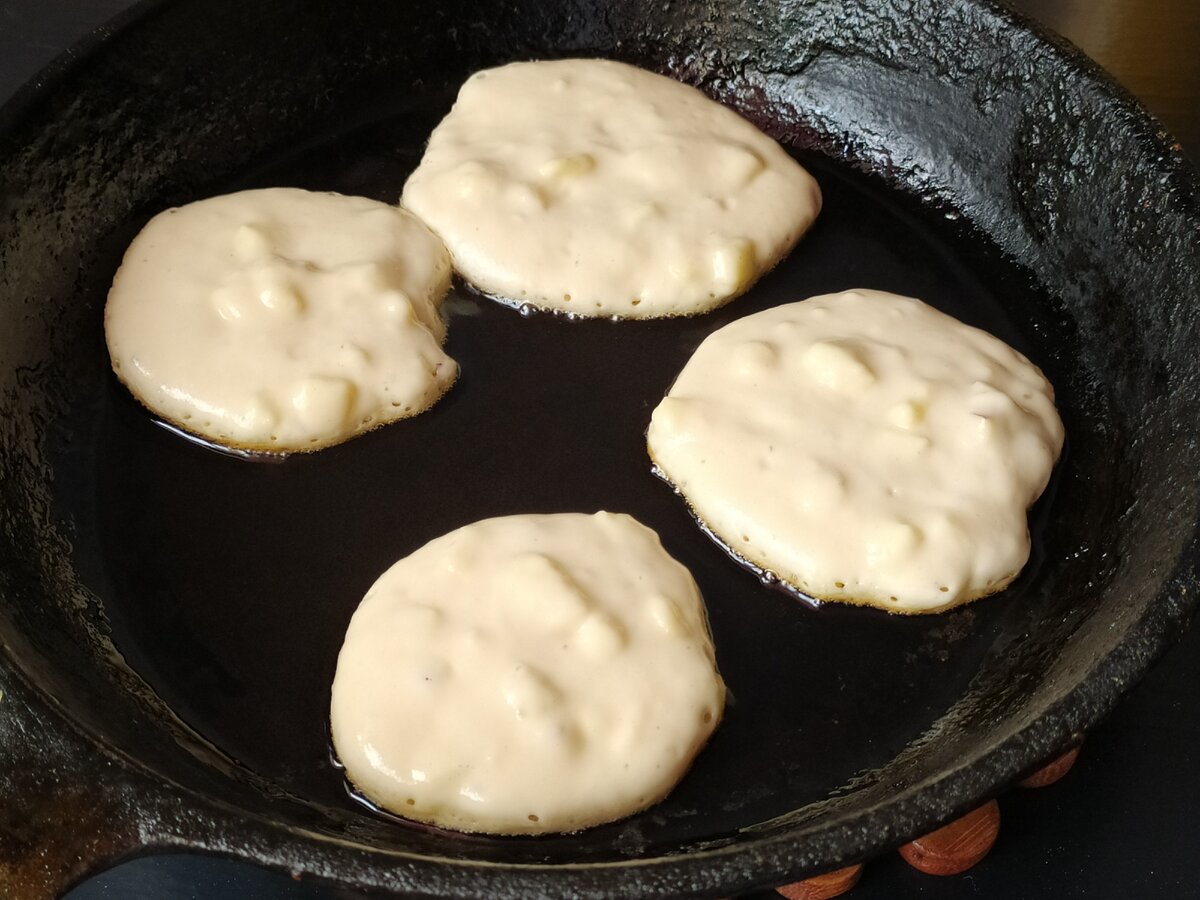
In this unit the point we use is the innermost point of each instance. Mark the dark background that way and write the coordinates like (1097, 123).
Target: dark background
(1122, 823)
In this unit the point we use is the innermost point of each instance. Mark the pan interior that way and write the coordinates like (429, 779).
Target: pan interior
(228, 584)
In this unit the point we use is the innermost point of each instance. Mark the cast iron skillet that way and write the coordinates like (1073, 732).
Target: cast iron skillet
(170, 616)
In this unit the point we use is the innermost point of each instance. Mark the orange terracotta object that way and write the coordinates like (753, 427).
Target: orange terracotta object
(958, 846)
(823, 887)
(1049, 774)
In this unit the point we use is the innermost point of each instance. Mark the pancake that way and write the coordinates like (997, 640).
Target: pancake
(281, 319)
(595, 188)
(527, 674)
(864, 448)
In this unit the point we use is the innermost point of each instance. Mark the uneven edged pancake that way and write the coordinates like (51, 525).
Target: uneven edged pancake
(863, 447)
(596, 188)
(281, 319)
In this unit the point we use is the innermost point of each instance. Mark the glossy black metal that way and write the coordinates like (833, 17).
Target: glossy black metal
(964, 157)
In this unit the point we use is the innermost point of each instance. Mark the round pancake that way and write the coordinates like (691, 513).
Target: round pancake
(527, 674)
(595, 188)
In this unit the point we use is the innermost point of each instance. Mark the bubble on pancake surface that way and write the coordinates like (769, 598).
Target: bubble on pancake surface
(863, 447)
(281, 319)
(594, 188)
(527, 674)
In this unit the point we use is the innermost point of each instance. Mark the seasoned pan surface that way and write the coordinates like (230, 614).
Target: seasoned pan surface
(233, 582)
(185, 607)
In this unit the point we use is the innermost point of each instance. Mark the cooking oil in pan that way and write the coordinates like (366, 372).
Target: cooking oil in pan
(228, 585)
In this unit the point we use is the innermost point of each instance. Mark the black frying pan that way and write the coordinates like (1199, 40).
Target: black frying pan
(170, 616)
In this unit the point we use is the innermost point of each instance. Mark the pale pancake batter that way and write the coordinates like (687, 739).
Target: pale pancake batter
(281, 319)
(527, 674)
(595, 188)
(864, 448)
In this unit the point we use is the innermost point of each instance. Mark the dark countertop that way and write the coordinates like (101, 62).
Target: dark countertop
(1121, 824)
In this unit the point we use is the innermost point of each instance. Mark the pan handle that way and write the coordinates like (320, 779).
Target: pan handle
(66, 805)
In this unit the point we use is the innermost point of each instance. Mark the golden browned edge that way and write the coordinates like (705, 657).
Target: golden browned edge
(714, 303)
(755, 565)
(274, 450)
(653, 801)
